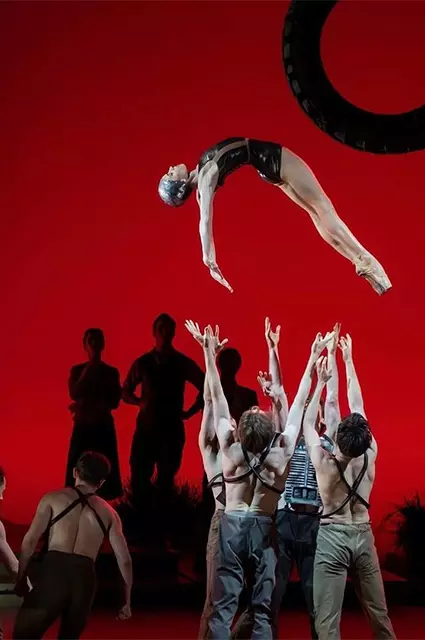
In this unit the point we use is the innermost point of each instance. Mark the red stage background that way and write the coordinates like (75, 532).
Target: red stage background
(97, 100)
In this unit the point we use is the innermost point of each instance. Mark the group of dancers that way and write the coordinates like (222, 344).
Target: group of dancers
(290, 485)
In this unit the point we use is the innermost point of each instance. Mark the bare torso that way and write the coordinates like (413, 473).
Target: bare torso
(78, 531)
(333, 490)
(250, 494)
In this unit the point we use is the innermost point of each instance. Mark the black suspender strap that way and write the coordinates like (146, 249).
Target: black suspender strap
(84, 501)
(255, 468)
(352, 491)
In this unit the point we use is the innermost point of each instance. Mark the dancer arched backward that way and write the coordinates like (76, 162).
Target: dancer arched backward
(279, 166)
(345, 540)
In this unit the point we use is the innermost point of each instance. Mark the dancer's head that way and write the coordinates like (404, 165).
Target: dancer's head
(94, 342)
(164, 330)
(229, 362)
(353, 437)
(92, 468)
(2, 482)
(320, 420)
(255, 430)
(175, 186)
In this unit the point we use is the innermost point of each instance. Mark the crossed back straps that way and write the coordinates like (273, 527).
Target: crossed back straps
(352, 490)
(256, 466)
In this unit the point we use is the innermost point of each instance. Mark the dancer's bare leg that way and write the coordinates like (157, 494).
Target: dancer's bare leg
(302, 187)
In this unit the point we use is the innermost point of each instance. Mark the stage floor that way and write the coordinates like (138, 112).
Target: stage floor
(409, 624)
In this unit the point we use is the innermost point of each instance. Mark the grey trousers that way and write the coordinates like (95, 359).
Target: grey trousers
(340, 548)
(245, 542)
(212, 556)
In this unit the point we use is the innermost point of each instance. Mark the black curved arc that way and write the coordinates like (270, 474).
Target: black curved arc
(363, 130)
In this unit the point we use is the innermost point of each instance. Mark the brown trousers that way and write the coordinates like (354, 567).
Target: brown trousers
(340, 548)
(212, 553)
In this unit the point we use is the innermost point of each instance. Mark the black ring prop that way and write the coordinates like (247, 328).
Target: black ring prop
(335, 116)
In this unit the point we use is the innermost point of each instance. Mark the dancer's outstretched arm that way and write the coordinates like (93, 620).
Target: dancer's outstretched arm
(207, 182)
(296, 412)
(354, 392)
(311, 437)
(272, 339)
(207, 434)
(301, 185)
(332, 411)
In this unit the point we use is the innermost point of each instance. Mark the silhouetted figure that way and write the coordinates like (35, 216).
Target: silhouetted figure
(95, 390)
(160, 435)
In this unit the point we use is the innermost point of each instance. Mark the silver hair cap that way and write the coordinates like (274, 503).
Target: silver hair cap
(173, 192)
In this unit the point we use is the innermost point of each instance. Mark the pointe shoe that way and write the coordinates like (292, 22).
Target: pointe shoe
(375, 275)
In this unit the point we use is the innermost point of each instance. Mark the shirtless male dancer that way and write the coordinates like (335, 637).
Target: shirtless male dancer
(297, 516)
(254, 459)
(75, 522)
(345, 540)
(211, 455)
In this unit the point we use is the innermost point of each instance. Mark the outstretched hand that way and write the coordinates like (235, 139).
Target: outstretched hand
(333, 343)
(268, 388)
(195, 332)
(346, 346)
(320, 343)
(212, 340)
(324, 374)
(215, 273)
(272, 337)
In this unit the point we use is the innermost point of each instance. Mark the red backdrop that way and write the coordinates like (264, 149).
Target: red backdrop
(98, 99)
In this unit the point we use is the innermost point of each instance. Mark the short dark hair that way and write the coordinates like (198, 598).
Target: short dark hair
(2, 476)
(354, 436)
(255, 430)
(166, 318)
(93, 467)
(229, 358)
(95, 332)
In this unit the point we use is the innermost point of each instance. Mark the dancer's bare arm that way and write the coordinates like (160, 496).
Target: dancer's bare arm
(7, 556)
(207, 434)
(29, 543)
(207, 182)
(272, 340)
(311, 437)
(125, 564)
(296, 412)
(332, 410)
(354, 392)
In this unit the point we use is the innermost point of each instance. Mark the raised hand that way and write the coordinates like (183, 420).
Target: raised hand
(324, 374)
(333, 344)
(320, 343)
(346, 346)
(272, 338)
(212, 340)
(268, 388)
(194, 330)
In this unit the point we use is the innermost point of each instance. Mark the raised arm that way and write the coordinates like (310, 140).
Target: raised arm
(355, 398)
(296, 412)
(332, 411)
(311, 436)
(207, 434)
(280, 408)
(207, 183)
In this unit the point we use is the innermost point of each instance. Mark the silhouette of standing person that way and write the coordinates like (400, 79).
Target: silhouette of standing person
(160, 435)
(95, 389)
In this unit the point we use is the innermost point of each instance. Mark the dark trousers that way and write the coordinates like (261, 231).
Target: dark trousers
(245, 544)
(64, 589)
(153, 445)
(297, 534)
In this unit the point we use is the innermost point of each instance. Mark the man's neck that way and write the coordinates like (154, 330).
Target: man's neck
(164, 349)
(84, 487)
(343, 460)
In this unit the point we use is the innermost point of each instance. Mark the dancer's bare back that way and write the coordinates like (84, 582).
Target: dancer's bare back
(79, 531)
